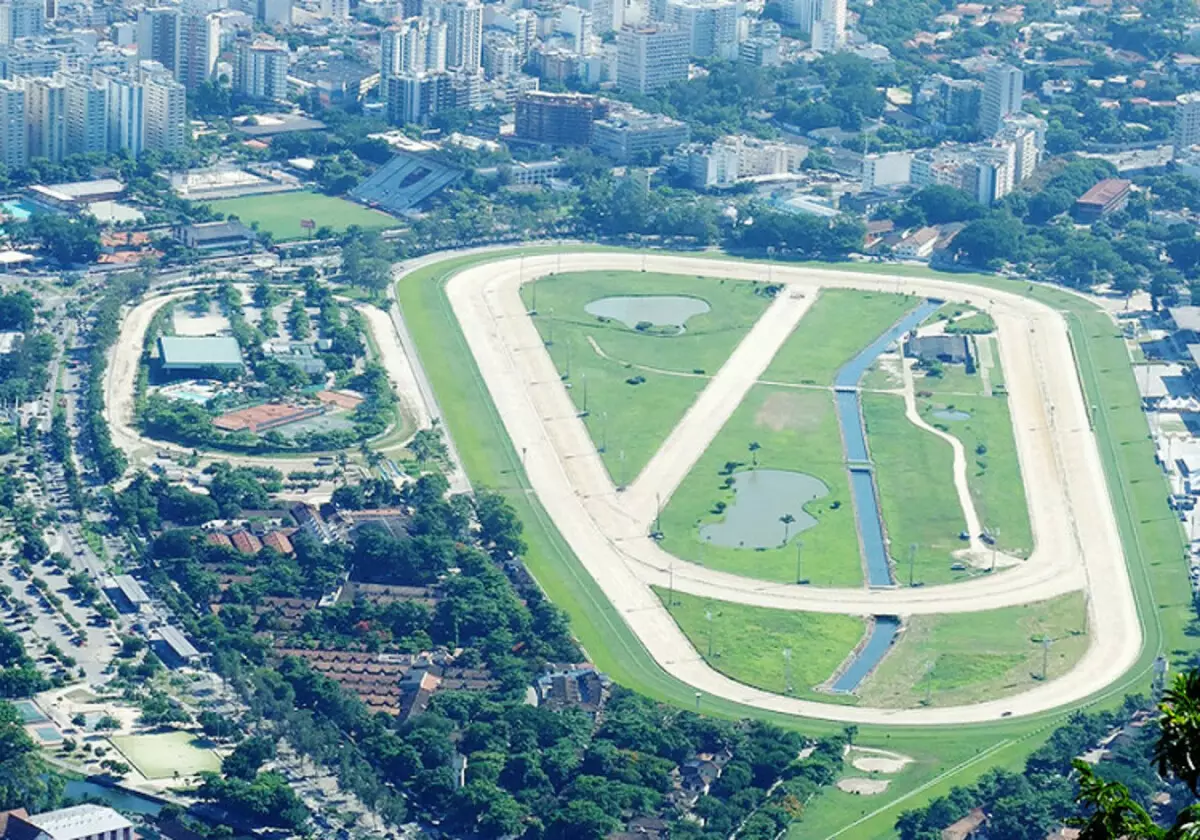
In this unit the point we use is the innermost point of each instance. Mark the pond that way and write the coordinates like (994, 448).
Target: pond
(113, 797)
(761, 497)
(661, 311)
(951, 414)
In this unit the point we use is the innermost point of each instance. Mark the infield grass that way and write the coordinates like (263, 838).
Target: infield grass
(638, 384)
(279, 214)
(748, 642)
(834, 330)
(945, 756)
(960, 658)
(797, 430)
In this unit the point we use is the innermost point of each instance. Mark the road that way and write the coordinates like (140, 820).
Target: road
(1077, 541)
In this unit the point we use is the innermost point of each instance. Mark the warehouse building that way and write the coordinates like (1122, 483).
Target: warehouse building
(179, 353)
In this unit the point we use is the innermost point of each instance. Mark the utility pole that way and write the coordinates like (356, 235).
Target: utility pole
(787, 669)
(550, 329)
(621, 469)
(568, 376)
(585, 407)
(604, 431)
(1045, 655)
(912, 559)
(709, 617)
(799, 557)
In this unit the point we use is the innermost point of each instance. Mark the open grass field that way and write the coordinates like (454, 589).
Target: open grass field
(914, 470)
(993, 469)
(840, 324)
(280, 213)
(633, 397)
(748, 642)
(797, 430)
(165, 754)
(945, 756)
(968, 657)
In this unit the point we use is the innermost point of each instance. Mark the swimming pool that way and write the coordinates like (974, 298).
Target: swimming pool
(18, 208)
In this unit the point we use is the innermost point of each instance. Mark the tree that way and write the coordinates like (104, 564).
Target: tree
(754, 447)
(787, 519)
(990, 240)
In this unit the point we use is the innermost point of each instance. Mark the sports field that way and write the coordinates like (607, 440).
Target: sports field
(279, 214)
(638, 382)
(945, 756)
(164, 755)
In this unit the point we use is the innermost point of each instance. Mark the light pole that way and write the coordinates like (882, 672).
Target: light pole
(604, 431)
(912, 559)
(787, 669)
(585, 406)
(697, 701)
(708, 616)
(1045, 655)
(799, 557)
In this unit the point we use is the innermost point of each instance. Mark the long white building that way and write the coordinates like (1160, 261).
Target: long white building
(87, 116)
(165, 102)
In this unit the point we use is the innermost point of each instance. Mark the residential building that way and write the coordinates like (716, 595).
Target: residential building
(274, 12)
(501, 58)
(989, 175)
(337, 11)
(800, 13)
(1108, 196)
(628, 135)
(576, 23)
(960, 101)
(1002, 91)
(46, 118)
(126, 114)
(525, 30)
(737, 157)
(435, 47)
(1027, 133)
(29, 61)
(412, 98)
(87, 116)
(79, 822)
(1187, 122)
(888, 169)
(603, 14)
(13, 142)
(650, 57)
(711, 26)
(759, 51)
(829, 28)
(464, 34)
(261, 71)
(165, 117)
(917, 245)
(21, 19)
(199, 45)
(158, 35)
(404, 48)
(558, 119)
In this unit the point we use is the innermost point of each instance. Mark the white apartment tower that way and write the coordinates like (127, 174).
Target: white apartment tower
(337, 11)
(165, 117)
(199, 45)
(711, 25)
(526, 35)
(126, 115)
(829, 28)
(1187, 122)
(21, 18)
(577, 23)
(46, 118)
(1002, 90)
(87, 116)
(404, 47)
(261, 71)
(650, 57)
(12, 124)
(158, 35)
(274, 12)
(435, 47)
(464, 34)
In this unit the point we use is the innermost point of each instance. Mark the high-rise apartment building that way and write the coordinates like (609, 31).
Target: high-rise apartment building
(1187, 122)
(158, 35)
(711, 26)
(559, 119)
(435, 47)
(273, 12)
(404, 48)
(464, 34)
(501, 57)
(829, 28)
(650, 57)
(126, 114)
(1002, 90)
(13, 142)
(526, 31)
(1027, 134)
(413, 98)
(576, 23)
(21, 18)
(46, 118)
(261, 70)
(199, 45)
(29, 61)
(165, 117)
(87, 116)
(959, 101)
(337, 11)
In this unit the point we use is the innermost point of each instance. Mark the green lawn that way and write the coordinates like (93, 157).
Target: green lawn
(280, 213)
(945, 756)
(632, 409)
(748, 642)
(840, 323)
(163, 754)
(993, 468)
(914, 471)
(797, 430)
(968, 657)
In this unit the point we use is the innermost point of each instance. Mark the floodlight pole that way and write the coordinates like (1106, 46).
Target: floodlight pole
(799, 557)
(604, 431)
(1045, 656)
(585, 395)
(787, 669)
(912, 559)
(709, 617)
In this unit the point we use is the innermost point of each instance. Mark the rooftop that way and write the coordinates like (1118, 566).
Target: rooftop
(205, 350)
(1186, 317)
(178, 642)
(264, 125)
(79, 821)
(80, 190)
(1107, 190)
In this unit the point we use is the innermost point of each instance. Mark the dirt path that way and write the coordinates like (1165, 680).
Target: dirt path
(1076, 538)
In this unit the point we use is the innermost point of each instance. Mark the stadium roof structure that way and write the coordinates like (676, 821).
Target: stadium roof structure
(204, 351)
(404, 182)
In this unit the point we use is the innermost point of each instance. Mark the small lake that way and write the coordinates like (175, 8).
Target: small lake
(659, 310)
(114, 798)
(761, 498)
(951, 414)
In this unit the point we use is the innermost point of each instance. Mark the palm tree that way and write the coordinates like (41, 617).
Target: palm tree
(1178, 749)
(787, 519)
(754, 447)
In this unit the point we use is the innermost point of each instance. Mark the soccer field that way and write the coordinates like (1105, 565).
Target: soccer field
(280, 213)
(161, 755)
